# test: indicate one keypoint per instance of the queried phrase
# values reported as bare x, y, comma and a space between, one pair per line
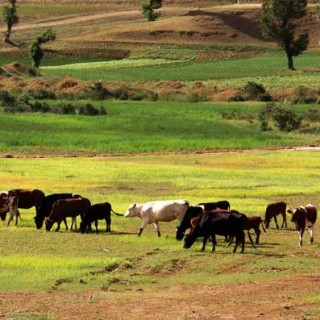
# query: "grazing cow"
46, 207
155, 211
192, 212
304, 216
272, 211
64, 208
99, 211
217, 222
9, 203
208, 206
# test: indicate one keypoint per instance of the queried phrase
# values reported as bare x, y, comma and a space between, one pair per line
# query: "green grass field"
135, 127
268, 69
248, 180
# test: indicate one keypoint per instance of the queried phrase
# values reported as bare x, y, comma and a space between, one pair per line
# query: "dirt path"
281, 299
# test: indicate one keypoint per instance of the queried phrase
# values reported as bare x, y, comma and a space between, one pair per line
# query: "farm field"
180, 118
107, 275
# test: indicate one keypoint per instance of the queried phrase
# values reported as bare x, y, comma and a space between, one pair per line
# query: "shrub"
303, 94
283, 118
255, 91
6, 99
286, 119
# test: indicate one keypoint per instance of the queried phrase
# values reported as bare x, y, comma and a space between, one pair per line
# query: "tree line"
279, 22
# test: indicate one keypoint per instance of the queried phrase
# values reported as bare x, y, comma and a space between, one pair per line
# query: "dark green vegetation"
134, 127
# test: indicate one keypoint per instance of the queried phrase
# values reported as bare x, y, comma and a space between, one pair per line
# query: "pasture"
107, 274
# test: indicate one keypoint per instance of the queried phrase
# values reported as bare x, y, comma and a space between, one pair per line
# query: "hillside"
94, 28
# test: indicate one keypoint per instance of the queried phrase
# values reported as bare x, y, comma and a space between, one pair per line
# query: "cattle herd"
204, 220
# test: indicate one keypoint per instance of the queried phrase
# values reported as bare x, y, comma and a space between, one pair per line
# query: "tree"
36, 52
10, 17
148, 9
279, 21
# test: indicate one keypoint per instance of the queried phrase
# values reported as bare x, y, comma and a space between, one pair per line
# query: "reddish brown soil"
276, 299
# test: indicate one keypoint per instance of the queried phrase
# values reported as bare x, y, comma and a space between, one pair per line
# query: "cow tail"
116, 213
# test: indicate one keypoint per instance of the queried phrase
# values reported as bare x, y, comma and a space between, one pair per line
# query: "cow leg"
311, 232
276, 222
284, 221
17, 214
301, 231
205, 239
258, 232
73, 223
214, 242
96, 225
11, 214
108, 224
65, 223
143, 224
250, 238
58, 227
156, 226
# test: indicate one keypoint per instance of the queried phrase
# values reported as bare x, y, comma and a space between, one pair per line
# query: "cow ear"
134, 205
289, 211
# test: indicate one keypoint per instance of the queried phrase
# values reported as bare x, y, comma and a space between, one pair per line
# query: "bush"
6, 99
304, 95
255, 91
286, 119
283, 118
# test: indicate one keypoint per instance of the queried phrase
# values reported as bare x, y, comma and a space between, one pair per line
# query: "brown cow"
272, 211
9, 203
66, 208
304, 216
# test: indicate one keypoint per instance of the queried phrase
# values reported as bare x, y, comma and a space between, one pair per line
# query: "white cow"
155, 211
9, 203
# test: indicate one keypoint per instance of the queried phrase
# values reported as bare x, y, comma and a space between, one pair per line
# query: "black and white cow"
9, 203
302, 217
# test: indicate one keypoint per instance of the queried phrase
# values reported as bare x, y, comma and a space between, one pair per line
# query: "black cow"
304, 216
217, 222
99, 211
47, 204
208, 206
192, 212
272, 211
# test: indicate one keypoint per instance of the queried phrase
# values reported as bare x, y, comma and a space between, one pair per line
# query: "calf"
209, 224
99, 211
272, 211
304, 216
9, 203
66, 208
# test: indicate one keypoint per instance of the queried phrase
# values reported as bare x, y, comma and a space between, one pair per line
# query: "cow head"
132, 211
3, 216
38, 221
266, 223
179, 233
49, 223
83, 226
188, 241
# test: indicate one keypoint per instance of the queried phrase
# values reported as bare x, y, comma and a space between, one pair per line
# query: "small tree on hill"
279, 21
9, 13
148, 9
36, 52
